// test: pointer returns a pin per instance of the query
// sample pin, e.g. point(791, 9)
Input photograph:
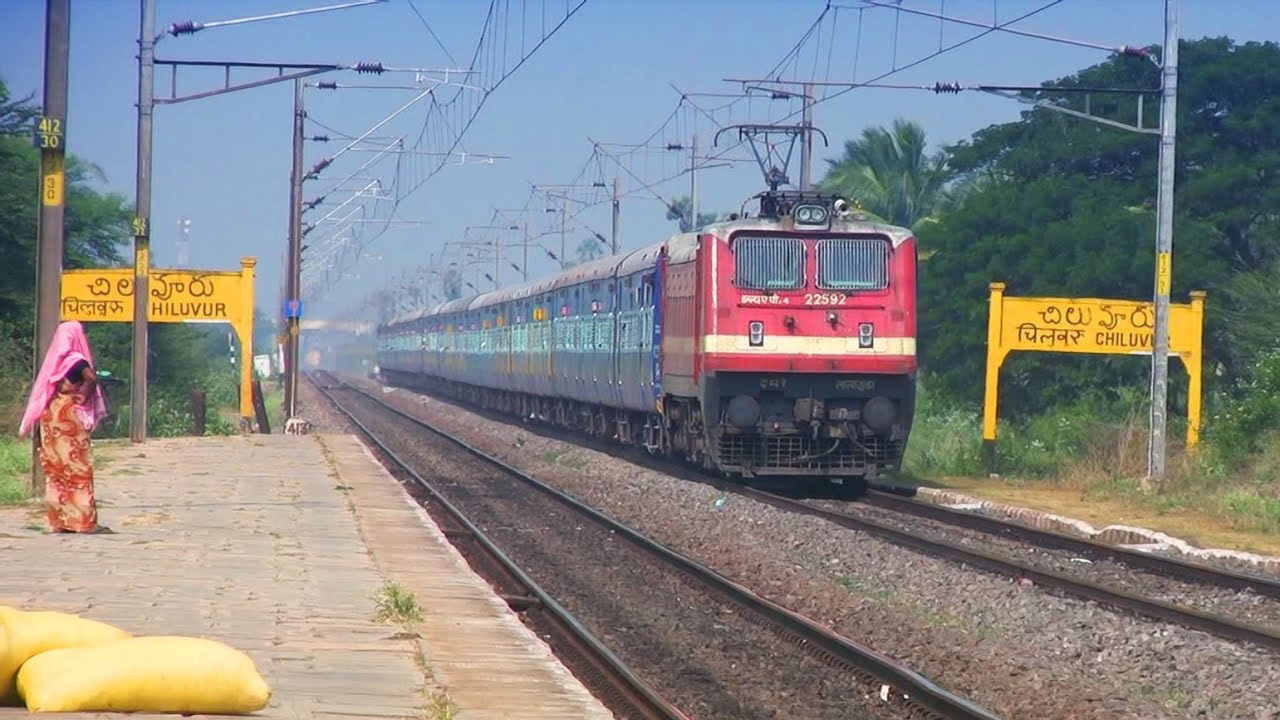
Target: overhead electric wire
point(435, 37)
point(458, 114)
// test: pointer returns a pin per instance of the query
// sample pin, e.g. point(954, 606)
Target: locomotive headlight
point(810, 215)
point(755, 333)
point(866, 335)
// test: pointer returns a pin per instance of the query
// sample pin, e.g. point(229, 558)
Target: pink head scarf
point(68, 347)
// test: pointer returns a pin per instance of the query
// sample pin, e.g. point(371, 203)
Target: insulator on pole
point(367, 67)
point(944, 88)
point(186, 27)
point(319, 166)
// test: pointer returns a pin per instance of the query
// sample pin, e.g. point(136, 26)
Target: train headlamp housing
point(810, 215)
point(866, 335)
point(755, 333)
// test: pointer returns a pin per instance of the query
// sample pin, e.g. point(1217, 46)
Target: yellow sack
point(25, 634)
point(186, 675)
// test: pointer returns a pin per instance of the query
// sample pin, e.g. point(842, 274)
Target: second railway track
point(1233, 605)
point(1235, 615)
point(711, 645)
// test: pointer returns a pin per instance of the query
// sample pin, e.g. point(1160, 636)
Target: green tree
point(1065, 207)
point(589, 249)
point(890, 174)
point(452, 284)
point(96, 224)
point(96, 231)
point(679, 210)
point(16, 115)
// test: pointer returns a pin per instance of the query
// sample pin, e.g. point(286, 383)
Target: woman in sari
point(68, 404)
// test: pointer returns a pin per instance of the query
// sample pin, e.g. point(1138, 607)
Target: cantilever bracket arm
point(1074, 113)
point(301, 71)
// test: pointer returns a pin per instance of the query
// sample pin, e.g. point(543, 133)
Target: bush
point(15, 464)
point(946, 437)
point(1241, 423)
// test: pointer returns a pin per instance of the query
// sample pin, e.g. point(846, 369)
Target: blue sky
point(607, 74)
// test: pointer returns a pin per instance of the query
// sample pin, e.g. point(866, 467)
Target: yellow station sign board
point(1091, 326)
point(106, 295)
point(191, 296)
point(1088, 325)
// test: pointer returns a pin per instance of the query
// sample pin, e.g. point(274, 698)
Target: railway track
point(608, 676)
point(891, 499)
point(900, 688)
point(1007, 563)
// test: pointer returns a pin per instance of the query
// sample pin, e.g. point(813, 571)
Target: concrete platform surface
point(276, 545)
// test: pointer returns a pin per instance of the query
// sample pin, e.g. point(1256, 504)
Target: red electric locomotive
point(776, 347)
point(789, 342)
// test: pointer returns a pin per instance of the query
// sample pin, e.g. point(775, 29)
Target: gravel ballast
point(1009, 646)
point(1243, 606)
point(696, 650)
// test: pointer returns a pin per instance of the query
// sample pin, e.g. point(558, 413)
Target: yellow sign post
point(1087, 325)
point(192, 296)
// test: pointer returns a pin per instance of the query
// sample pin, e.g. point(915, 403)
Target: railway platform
point(278, 545)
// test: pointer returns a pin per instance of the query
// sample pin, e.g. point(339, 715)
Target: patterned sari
point(68, 465)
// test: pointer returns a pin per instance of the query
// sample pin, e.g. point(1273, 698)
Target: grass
point(1087, 459)
point(273, 401)
point(565, 457)
point(856, 586)
point(440, 707)
point(15, 465)
point(396, 605)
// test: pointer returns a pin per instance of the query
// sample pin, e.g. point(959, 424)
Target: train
point(775, 348)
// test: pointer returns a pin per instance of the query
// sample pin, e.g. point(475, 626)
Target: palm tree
point(889, 174)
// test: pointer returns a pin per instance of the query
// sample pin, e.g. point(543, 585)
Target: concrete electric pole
point(693, 183)
point(806, 159)
point(141, 224)
point(293, 271)
point(617, 213)
point(50, 137)
point(1164, 245)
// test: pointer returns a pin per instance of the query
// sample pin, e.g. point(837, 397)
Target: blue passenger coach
point(589, 337)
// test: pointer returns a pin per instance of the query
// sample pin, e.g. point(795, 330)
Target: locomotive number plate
point(824, 298)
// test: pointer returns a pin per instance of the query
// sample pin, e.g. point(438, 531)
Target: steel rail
point(1170, 567)
point(1149, 607)
point(826, 644)
point(631, 692)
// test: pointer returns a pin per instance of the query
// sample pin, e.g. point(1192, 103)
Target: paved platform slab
point(260, 542)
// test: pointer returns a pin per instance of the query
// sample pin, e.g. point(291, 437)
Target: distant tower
point(184, 242)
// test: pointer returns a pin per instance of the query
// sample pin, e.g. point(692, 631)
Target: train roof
point(595, 270)
point(855, 223)
point(683, 247)
point(401, 318)
point(638, 260)
point(455, 305)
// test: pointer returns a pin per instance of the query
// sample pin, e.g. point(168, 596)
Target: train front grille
point(797, 454)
